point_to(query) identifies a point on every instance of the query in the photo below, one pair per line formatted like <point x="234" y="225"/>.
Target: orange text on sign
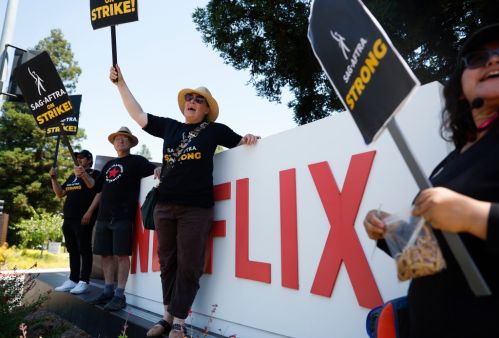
<point x="365" y="74"/>
<point x="112" y="9"/>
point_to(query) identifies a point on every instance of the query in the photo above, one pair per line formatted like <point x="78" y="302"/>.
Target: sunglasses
<point x="479" y="58"/>
<point x="198" y="99"/>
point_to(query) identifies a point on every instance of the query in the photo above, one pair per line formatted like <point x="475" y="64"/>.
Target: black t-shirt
<point x="190" y="182"/>
<point x="119" y="185"/>
<point x="443" y="305"/>
<point x="78" y="195"/>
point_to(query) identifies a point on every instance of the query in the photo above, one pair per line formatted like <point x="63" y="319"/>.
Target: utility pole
<point x="7" y="33"/>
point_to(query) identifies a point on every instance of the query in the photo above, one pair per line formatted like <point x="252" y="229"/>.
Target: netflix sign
<point x="288" y="254"/>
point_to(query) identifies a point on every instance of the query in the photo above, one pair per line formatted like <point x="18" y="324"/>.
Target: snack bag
<point x="413" y="245"/>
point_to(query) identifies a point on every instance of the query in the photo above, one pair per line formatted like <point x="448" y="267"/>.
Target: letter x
<point x="342" y="244"/>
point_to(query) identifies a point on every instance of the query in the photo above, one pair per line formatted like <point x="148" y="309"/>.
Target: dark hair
<point x="457" y="121"/>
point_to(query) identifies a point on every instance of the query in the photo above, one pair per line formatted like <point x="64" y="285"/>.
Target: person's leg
<point x="74" y="257"/>
<point x="122" y="248"/>
<point x="70" y="237"/>
<point x="103" y="246"/>
<point x="85" y="245"/>
<point x="194" y="225"/>
<point x="166" y="231"/>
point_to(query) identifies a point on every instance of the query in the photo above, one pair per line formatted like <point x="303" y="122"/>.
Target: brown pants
<point x="182" y="234"/>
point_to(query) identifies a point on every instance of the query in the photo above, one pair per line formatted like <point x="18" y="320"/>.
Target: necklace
<point x="485" y="124"/>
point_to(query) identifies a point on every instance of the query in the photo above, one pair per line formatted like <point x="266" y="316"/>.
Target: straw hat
<point x="203" y="91"/>
<point x="125" y="132"/>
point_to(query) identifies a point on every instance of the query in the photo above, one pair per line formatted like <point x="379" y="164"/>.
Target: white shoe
<point x="66" y="286"/>
<point x="81" y="287"/>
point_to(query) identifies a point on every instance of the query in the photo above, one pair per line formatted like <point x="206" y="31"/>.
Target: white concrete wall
<point x="254" y="309"/>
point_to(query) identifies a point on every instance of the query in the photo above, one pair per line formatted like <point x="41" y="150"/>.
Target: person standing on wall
<point x="118" y="190"/>
<point x="79" y="219"/>
<point x="184" y="213"/>
<point x="464" y="200"/>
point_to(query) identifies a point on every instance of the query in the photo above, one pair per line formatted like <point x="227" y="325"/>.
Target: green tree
<point x="38" y="230"/>
<point x="144" y="151"/>
<point x="269" y="38"/>
<point x="26" y="154"/>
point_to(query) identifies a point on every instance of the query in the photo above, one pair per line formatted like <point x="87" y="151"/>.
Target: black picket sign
<point x="70" y="123"/>
<point x="43" y="91"/>
<point x="104" y="13"/>
<point x="366" y="71"/>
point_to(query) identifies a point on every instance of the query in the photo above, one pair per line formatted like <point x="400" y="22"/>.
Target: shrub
<point x="40" y="229"/>
<point x="13" y="304"/>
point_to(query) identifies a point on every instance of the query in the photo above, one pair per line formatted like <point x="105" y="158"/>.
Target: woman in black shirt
<point x="464" y="200"/>
<point x="184" y="213"/>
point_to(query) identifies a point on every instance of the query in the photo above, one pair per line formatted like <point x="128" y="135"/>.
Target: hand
<point x="53" y="172"/>
<point x="86" y="218"/>
<point x="249" y="139"/>
<point x="115" y="74"/>
<point x="157" y="173"/>
<point x="373" y="224"/>
<point x="450" y="211"/>
<point x="79" y="171"/>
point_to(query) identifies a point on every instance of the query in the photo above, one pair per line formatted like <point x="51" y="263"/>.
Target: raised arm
<point x="132" y="106"/>
<point x="59" y="192"/>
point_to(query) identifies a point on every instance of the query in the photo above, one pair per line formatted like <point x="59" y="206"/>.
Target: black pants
<point x="78" y="239"/>
<point x="182" y="234"/>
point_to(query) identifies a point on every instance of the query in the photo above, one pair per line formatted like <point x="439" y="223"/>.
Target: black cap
<point x="85" y="154"/>
<point x="483" y="35"/>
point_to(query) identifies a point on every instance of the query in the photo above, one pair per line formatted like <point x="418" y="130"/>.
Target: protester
<point x="184" y="213"/>
<point x="79" y="219"/>
<point x="118" y="190"/>
<point x="465" y="200"/>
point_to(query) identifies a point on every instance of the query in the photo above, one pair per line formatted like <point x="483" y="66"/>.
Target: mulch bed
<point x="49" y="325"/>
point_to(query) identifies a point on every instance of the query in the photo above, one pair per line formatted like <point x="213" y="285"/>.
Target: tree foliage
<point x="63" y="58"/>
<point x="26" y="154"/>
<point x="269" y="38"/>
<point x="144" y="151"/>
<point x="38" y="230"/>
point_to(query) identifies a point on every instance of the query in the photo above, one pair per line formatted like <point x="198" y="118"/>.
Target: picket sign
<point x="289" y="254"/>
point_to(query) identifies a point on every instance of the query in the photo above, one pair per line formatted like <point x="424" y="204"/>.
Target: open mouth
<point x="492" y="74"/>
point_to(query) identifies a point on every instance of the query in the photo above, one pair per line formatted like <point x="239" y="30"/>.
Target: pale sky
<point x="159" y="55"/>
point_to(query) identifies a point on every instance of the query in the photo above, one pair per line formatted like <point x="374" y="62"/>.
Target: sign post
<point x="104" y="13"/>
<point x="373" y="82"/>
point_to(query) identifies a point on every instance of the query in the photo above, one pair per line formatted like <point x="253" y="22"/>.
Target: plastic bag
<point x="413" y="245"/>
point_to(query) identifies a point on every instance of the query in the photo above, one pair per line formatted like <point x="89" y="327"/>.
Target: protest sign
<point x="373" y="82"/>
<point x="367" y="72"/>
<point x="104" y="13"/>
<point x="20" y="56"/>
<point x="43" y="91"/>
<point x="70" y="123"/>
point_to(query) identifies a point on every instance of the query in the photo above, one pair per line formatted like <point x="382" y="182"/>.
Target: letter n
<point x="342" y="244"/>
<point x="141" y="244"/>
<point x="245" y="268"/>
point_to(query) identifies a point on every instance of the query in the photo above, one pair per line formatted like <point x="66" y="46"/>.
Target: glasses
<point x="197" y="98"/>
<point x="479" y="58"/>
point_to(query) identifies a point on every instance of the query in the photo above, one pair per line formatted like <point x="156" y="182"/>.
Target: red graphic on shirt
<point x="114" y="172"/>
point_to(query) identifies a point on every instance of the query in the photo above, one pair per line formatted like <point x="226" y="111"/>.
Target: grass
<point x="26" y="258"/>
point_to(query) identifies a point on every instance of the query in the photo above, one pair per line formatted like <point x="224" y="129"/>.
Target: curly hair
<point x="457" y="121"/>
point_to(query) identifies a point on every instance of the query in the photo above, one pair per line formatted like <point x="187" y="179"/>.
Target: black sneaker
<point x="117" y="303"/>
<point x="101" y="299"/>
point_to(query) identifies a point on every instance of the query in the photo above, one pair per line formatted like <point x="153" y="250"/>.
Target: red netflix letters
<point x="342" y="244"/>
